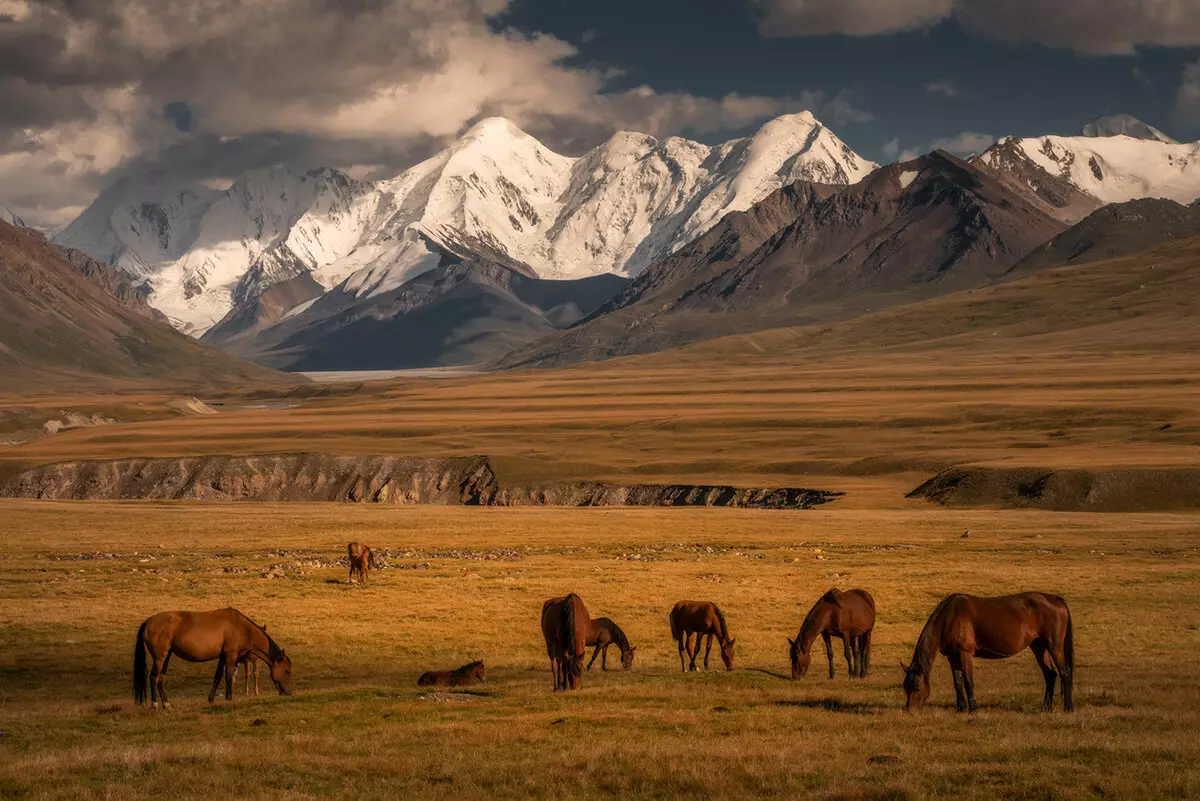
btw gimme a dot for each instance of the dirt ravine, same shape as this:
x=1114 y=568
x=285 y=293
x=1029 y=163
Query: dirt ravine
x=466 y=481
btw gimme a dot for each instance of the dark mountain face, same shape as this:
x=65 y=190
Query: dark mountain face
x=112 y=280
x=464 y=312
x=66 y=320
x=908 y=231
x=1115 y=230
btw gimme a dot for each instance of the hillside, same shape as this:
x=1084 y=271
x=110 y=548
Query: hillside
x=61 y=329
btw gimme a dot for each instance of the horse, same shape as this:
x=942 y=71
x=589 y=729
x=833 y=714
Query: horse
x=849 y=615
x=603 y=633
x=964 y=627
x=362 y=559
x=225 y=635
x=462 y=677
x=565 y=624
x=701 y=618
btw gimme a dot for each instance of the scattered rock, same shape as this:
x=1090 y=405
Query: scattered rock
x=965 y=534
x=721 y=709
x=883 y=759
x=258 y=722
x=274 y=573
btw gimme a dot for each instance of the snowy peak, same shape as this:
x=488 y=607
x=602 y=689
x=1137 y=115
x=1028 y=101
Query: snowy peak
x=1107 y=169
x=616 y=209
x=9 y=216
x=1125 y=125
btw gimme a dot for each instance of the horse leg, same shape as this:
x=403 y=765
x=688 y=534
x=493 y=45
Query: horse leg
x=828 y=651
x=1039 y=649
x=848 y=647
x=230 y=673
x=956 y=670
x=680 y=640
x=212 y=694
x=707 y=650
x=1064 y=671
x=968 y=671
x=693 y=649
x=256 y=677
x=866 y=653
x=155 y=671
x=162 y=681
x=604 y=657
x=592 y=661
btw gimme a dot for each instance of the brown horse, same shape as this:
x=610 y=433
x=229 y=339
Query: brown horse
x=700 y=618
x=225 y=635
x=848 y=615
x=362 y=559
x=603 y=633
x=462 y=677
x=565 y=624
x=964 y=627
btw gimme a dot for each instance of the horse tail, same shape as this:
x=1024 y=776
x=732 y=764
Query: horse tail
x=140 y=681
x=1069 y=641
x=674 y=626
x=566 y=634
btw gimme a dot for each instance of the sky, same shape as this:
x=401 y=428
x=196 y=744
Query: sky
x=96 y=91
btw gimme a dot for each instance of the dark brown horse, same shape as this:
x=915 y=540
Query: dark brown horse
x=964 y=627
x=700 y=618
x=362 y=560
x=849 y=615
x=462 y=677
x=603 y=633
x=565 y=624
x=225 y=635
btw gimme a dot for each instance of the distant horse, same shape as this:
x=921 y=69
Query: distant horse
x=362 y=559
x=603 y=633
x=702 y=619
x=462 y=677
x=565 y=625
x=848 y=615
x=225 y=635
x=964 y=627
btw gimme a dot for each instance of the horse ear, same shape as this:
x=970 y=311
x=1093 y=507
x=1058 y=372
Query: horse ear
x=264 y=626
x=791 y=642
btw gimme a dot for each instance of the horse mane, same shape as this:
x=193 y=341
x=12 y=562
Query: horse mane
x=831 y=596
x=810 y=620
x=923 y=654
x=724 y=625
x=274 y=652
x=622 y=640
x=567 y=634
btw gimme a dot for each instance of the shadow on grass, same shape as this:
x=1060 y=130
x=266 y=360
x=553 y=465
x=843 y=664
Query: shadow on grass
x=836 y=705
x=770 y=673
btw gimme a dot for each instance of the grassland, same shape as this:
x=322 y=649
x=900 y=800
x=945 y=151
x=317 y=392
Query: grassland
x=360 y=727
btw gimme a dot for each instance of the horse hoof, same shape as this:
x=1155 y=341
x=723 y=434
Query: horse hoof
x=154 y=704
x=166 y=706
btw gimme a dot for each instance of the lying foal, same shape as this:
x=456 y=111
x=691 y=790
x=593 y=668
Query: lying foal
x=464 y=676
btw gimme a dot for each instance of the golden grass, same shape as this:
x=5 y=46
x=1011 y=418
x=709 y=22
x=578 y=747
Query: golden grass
x=360 y=727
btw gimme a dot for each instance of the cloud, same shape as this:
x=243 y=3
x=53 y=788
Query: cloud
x=966 y=143
x=217 y=85
x=891 y=149
x=1095 y=27
x=946 y=88
x=1187 y=102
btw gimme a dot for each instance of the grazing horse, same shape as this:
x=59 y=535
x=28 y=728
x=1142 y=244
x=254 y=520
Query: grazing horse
x=848 y=615
x=225 y=635
x=964 y=627
x=362 y=559
x=603 y=633
x=701 y=618
x=565 y=625
x=462 y=677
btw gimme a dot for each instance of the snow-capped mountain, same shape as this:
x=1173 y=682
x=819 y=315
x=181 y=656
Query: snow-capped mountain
x=9 y=216
x=1108 y=166
x=617 y=209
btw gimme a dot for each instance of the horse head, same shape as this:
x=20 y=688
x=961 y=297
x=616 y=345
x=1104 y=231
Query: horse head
x=281 y=673
x=800 y=659
x=479 y=671
x=627 y=658
x=916 y=687
x=727 y=652
x=574 y=666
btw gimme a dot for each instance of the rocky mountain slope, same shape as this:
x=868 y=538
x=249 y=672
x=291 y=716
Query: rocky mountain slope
x=1118 y=229
x=9 y=216
x=204 y=253
x=810 y=253
x=60 y=327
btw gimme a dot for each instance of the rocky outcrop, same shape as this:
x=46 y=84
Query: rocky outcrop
x=1132 y=490
x=467 y=481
